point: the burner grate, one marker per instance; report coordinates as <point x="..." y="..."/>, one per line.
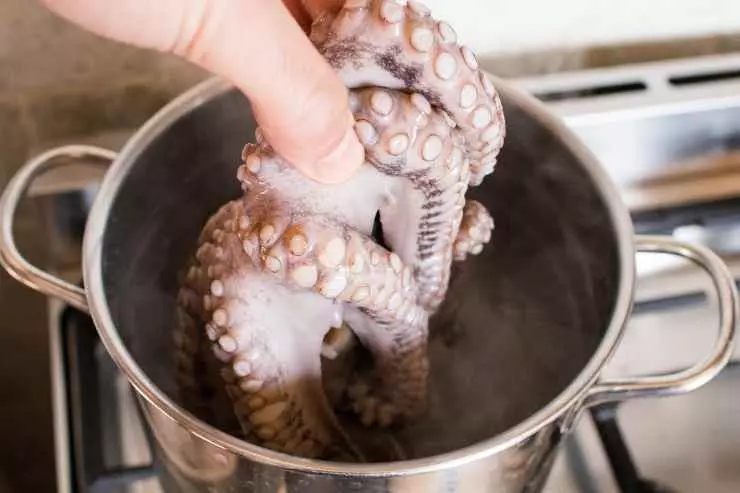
<point x="626" y="474"/>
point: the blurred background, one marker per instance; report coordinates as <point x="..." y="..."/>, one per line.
<point x="59" y="84"/>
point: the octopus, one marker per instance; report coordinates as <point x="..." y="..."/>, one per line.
<point x="284" y="273"/>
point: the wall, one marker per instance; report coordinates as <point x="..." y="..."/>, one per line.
<point x="495" y="27"/>
<point x="58" y="82"/>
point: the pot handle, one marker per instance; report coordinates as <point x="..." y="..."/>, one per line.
<point x="11" y="259"/>
<point x="680" y="382"/>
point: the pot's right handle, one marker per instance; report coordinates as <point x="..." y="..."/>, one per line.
<point x="10" y="257"/>
<point x="692" y="378"/>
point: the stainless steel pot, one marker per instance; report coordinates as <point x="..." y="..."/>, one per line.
<point x="521" y="342"/>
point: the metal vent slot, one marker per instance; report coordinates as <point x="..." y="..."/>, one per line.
<point x="592" y="91"/>
<point x="685" y="80"/>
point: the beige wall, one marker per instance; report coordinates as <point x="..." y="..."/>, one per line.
<point x="58" y="82"/>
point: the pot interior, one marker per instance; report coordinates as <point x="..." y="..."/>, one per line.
<point x="520" y="322"/>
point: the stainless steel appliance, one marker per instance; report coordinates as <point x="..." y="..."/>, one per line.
<point x="665" y="133"/>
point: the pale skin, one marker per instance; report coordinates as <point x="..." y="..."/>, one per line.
<point x="261" y="47"/>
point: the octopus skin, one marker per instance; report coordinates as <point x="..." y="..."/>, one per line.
<point x="293" y="260"/>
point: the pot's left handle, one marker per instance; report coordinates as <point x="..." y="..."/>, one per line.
<point x="11" y="259"/>
<point x="612" y="391"/>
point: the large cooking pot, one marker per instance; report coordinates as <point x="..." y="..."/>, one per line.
<point x="521" y="342"/>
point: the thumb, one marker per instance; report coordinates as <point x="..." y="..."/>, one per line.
<point x="300" y="103"/>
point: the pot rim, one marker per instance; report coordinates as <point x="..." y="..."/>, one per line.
<point x="569" y="399"/>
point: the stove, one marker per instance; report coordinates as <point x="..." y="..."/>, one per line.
<point x="669" y="135"/>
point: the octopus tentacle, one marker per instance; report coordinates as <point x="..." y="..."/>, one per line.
<point x="475" y="230"/>
<point x="320" y="254"/>
<point x="343" y="265"/>
<point x="275" y="389"/>
<point x="337" y="340"/>
<point x="281" y="273"/>
<point x="190" y="364"/>
<point x="399" y="45"/>
<point x="193" y="358"/>
<point x="403" y="136"/>
<point x="396" y="390"/>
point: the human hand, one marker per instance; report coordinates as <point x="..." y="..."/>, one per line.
<point x="258" y="45"/>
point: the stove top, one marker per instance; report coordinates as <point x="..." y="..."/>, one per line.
<point x="669" y="134"/>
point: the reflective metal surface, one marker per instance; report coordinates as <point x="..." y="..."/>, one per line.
<point x="665" y="131"/>
<point x="699" y="374"/>
<point x="558" y="284"/>
<point x="597" y="268"/>
<point x="12" y="260"/>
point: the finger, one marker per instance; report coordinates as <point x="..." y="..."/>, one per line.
<point x="300" y="103"/>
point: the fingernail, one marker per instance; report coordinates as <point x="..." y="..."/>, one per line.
<point x="342" y="163"/>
